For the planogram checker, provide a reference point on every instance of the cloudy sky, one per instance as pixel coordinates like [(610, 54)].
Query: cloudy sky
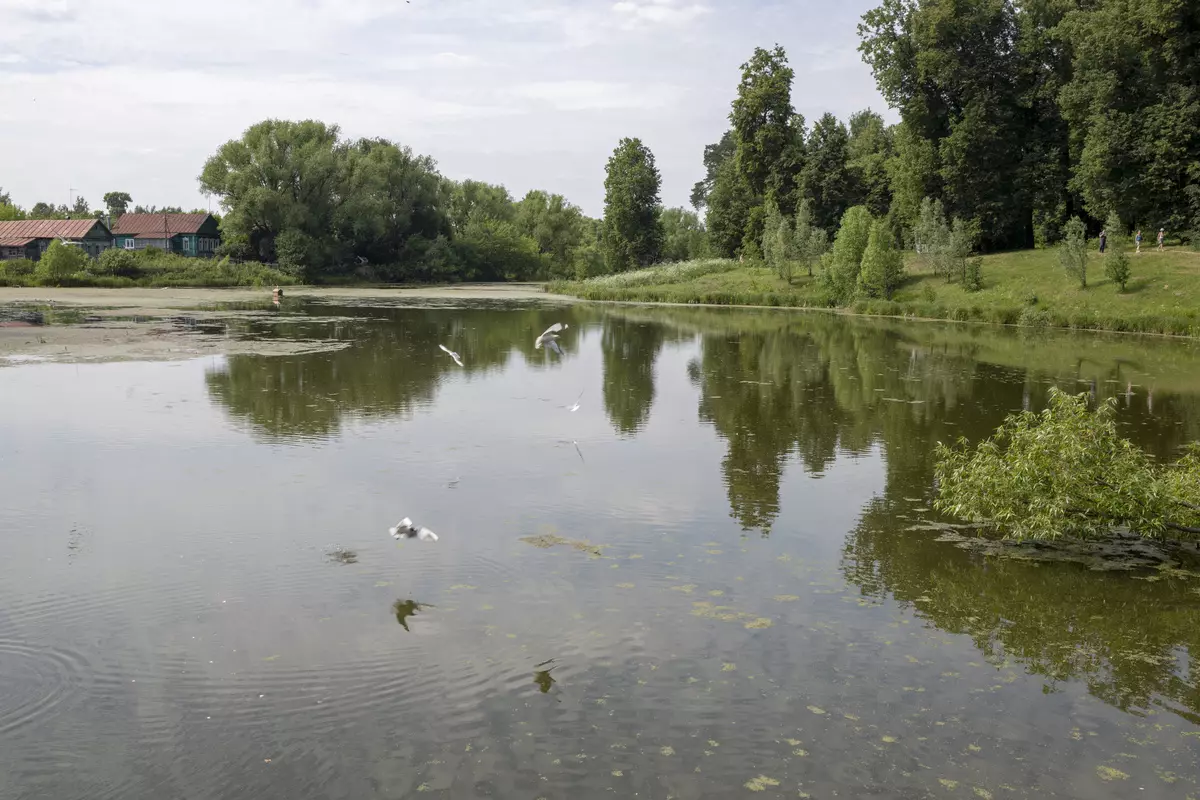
[(133, 95)]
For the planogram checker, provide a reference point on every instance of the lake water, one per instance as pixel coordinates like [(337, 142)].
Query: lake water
[(720, 577)]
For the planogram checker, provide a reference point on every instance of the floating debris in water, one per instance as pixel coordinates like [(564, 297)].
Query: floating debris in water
[(1108, 773), (547, 540), (761, 783), (340, 556)]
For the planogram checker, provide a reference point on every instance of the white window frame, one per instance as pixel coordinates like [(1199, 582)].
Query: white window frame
[(130, 243), (187, 244)]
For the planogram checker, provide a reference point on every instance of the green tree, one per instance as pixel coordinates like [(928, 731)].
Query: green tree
[(1116, 263), (496, 250), (931, 236), (975, 81), (1072, 252), (778, 249), (763, 126), (868, 151), (10, 212), (632, 209), (279, 176), (826, 179), (81, 207), (43, 211), (809, 241), (684, 237), (470, 200), (966, 267), (1133, 105), (840, 274), (729, 205), (61, 261), (556, 226), (882, 265), (388, 198), (912, 172), (117, 203), (715, 155), (1067, 472)]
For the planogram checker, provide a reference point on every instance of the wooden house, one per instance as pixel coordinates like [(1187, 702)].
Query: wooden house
[(29, 238), (196, 235)]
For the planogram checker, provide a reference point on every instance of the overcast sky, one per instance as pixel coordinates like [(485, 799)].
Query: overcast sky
[(134, 95)]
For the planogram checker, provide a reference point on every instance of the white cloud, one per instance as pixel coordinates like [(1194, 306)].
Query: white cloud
[(598, 95), (664, 12), (530, 93)]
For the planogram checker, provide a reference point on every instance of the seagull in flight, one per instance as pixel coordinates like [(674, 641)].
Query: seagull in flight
[(406, 530), (452, 354), (575, 407), (550, 338)]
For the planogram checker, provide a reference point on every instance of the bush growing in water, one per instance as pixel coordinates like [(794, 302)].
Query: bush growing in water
[(1067, 472)]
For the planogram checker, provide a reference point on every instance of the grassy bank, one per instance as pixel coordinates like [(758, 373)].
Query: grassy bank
[(1027, 287)]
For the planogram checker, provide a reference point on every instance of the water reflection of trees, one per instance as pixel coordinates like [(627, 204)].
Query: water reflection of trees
[(391, 367), (804, 389)]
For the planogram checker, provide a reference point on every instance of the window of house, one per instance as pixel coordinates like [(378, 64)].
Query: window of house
[(129, 243)]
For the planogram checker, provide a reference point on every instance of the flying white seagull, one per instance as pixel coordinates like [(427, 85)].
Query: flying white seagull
[(577, 399), (550, 338), (406, 530), (452, 354)]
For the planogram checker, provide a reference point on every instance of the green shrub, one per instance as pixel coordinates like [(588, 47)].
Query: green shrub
[(1033, 318), (17, 268), (60, 262), (117, 262)]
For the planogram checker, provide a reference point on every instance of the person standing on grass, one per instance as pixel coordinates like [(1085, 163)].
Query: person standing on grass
[(1162, 234), (1103, 241), (1138, 239)]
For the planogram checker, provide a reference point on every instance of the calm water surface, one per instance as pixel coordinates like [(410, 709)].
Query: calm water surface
[(742, 596)]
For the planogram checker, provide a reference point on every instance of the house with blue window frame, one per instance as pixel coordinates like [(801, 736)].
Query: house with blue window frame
[(195, 235)]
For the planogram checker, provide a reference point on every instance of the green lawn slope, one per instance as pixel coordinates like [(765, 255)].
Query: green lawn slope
[(1026, 287)]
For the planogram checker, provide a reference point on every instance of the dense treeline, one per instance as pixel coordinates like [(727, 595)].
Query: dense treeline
[(298, 194), (1015, 118)]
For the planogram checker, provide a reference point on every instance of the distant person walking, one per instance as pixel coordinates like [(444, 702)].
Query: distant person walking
[(1162, 234), (1103, 241), (1138, 239)]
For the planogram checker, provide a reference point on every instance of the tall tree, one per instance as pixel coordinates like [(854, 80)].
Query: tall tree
[(1133, 104), (81, 207), (826, 178), (868, 151), (279, 176), (957, 72), (117, 203), (764, 128), (387, 196), (555, 225), (475, 199), (632, 209), (715, 155), (729, 205), (683, 235)]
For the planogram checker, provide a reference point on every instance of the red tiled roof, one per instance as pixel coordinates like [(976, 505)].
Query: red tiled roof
[(151, 225), (15, 242), (47, 228)]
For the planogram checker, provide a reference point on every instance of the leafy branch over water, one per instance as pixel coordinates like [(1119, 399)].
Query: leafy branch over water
[(1067, 472)]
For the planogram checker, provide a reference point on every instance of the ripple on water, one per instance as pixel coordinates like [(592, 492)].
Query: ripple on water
[(36, 682)]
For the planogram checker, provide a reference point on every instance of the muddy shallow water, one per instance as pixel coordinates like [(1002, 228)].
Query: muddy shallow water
[(720, 577)]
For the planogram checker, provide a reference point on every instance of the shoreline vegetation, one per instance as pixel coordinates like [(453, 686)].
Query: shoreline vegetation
[(1025, 288)]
